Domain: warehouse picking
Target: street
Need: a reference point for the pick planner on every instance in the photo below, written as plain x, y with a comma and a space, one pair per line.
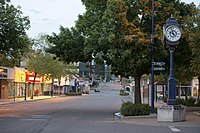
89, 113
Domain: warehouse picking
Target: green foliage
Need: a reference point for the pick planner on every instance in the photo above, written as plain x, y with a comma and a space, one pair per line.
130, 109
13, 39
74, 94
45, 64
197, 103
180, 101
165, 99
123, 93
68, 45
118, 32
190, 102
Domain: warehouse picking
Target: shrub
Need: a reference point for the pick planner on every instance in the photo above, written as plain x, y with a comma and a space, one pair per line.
165, 99
121, 91
123, 94
180, 101
130, 109
74, 94
190, 101
198, 103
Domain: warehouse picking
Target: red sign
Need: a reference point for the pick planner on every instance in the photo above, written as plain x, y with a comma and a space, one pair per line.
30, 78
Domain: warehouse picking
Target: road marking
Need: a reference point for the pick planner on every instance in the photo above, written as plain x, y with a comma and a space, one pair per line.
174, 129
38, 118
41, 116
34, 119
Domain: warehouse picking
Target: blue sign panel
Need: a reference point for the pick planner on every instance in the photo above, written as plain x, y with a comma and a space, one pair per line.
158, 63
159, 68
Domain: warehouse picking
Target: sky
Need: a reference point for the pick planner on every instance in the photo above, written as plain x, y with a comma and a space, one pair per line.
46, 16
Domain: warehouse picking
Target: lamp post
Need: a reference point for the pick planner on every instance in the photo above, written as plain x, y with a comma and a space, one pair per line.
143, 91
148, 90
25, 85
152, 60
156, 91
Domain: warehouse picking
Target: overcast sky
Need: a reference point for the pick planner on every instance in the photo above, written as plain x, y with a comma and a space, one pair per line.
46, 16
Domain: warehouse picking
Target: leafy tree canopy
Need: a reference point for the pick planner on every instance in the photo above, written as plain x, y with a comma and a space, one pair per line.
68, 45
118, 32
13, 39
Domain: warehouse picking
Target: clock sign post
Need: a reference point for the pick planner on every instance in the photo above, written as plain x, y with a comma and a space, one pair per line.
172, 33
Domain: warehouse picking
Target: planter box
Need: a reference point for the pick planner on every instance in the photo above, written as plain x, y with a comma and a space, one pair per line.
171, 113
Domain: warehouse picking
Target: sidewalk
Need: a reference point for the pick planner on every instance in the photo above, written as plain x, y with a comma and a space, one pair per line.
21, 99
192, 117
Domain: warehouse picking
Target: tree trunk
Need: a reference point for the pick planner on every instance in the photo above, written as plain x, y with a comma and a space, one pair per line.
137, 90
186, 93
52, 87
32, 92
199, 88
59, 87
179, 90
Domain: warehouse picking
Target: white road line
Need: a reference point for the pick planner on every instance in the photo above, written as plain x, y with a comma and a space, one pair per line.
41, 116
38, 118
34, 119
174, 129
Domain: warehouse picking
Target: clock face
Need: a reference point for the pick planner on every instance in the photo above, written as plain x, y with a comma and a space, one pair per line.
173, 33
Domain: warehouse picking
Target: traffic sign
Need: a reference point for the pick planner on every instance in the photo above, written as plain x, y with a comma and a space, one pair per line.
158, 63
159, 68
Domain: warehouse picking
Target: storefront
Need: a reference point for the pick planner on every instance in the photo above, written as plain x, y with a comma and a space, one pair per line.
195, 87
38, 88
6, 82
20, 81
47, 86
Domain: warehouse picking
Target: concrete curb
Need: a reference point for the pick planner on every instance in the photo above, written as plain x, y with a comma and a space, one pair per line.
32, 100
118, 116
191, 109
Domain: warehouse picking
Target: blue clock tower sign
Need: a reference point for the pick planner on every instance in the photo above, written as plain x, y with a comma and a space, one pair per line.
172, 33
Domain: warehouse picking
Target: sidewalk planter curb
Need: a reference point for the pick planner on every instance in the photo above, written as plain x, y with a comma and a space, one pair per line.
191, 108
171, 113
118, 116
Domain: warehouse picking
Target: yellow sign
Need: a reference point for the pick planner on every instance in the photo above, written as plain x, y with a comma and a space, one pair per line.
47, 79
20, 75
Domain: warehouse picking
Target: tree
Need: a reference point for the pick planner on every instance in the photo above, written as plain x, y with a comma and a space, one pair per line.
194, 44
41, 43
45, 65
118, 32
13, 39
68, 45
124, 40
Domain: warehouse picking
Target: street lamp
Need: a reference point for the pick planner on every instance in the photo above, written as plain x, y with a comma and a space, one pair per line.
156, 91
148, 90
152, 60
143, 91
25, 84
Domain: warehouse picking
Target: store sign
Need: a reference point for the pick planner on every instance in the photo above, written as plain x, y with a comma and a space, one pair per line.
47, 79
3, 73
30, 78
20, 76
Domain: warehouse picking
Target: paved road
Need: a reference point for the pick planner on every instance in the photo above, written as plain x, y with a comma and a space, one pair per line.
91, 113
